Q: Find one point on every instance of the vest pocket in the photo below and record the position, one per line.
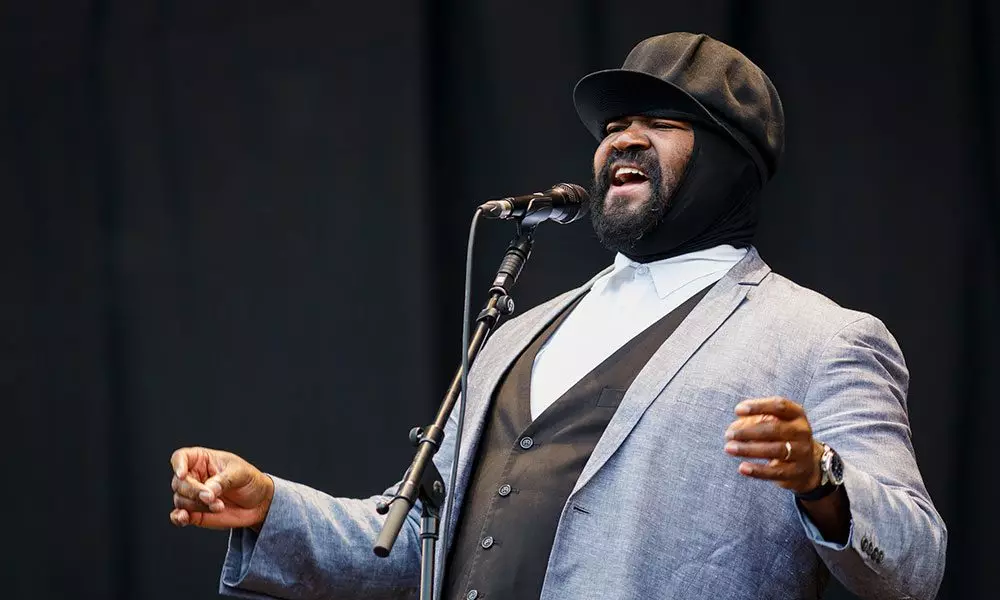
(610, 398)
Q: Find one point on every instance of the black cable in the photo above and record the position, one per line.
(460, 425)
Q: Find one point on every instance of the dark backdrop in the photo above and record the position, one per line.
(242, 224)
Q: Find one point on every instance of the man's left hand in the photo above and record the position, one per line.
(776, 429)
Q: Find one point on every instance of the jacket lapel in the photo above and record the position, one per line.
(704, 320)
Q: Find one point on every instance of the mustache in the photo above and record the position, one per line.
(644, 159)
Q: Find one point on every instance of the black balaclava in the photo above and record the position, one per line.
(716, 201)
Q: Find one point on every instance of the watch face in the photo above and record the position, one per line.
(836, 469)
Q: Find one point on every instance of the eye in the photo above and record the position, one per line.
(614, 127)
(664, 125)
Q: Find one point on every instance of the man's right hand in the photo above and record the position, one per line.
(218, 490)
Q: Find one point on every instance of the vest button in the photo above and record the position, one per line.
(504, 490)
(527, 442)
(487, 542)
(472, 595)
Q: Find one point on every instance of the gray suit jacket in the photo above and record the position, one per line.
(660, 510)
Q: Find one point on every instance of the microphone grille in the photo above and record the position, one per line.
(576, 202)
(573, 192)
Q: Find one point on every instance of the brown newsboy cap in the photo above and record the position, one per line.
(692, 74)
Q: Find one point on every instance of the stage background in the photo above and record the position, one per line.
(242, 224)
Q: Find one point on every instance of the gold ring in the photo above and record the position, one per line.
(788, 451)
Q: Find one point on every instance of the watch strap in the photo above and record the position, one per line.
(821, 491)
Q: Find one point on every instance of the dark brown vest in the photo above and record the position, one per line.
(525, 470)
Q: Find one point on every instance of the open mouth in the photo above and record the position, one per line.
(627, 174)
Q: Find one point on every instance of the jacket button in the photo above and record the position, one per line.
(487, 542)
(472, 595)
(527, 442)
(504, 490)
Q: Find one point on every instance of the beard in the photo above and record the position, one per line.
(620, 225)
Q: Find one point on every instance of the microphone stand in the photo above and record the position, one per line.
(422, 481)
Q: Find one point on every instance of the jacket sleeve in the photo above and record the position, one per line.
(856, 403)
(314, 546)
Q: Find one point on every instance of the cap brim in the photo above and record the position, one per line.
(606, 95)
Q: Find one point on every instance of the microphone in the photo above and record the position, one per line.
(562, 203)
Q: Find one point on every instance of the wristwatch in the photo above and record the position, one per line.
(831, 475)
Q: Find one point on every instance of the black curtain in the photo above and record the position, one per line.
(242, 224)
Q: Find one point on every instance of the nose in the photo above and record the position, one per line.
(632, 137)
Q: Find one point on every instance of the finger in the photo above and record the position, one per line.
(770, 450)
(231, 518)
(763, 431)
(232, 476)
(751, 420)
(783, 408)
(193, 506)
(193, 489)
(189, 504)
(175, 484)
(180, 517)
(774, 470)
(180, 460)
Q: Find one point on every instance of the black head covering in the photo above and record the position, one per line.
(717, 200)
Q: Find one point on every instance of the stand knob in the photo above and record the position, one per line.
(415, 434)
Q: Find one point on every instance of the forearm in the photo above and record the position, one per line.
(831, 515)
(312, 545)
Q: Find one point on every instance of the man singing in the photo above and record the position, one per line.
(688, 424)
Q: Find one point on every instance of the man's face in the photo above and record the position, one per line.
(637, 169)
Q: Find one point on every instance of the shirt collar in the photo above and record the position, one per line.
(670, 274)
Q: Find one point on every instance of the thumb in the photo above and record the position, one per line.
(234, 475)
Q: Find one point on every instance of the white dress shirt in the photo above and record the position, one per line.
(619, 306)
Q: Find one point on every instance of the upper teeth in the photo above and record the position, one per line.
(629, 171)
